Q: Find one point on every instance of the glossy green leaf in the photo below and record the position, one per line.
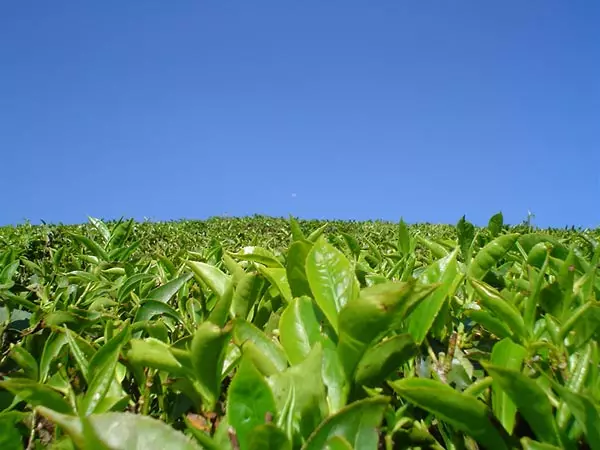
(246, 332)
(235, 269)
(309, 404)
(491, 300)
(278, 278)
(296, 268)
(509, 355)
(165, 292)
(214, 278)
(334, 377)
(490, 322)
(403, 238)
(152, 308)
(300, 329)
(532, 402)
(352, 244)
(490, 255)
(338, 443)
(92, 246)
(381, 360)
(445, 271)
(377, 310)
(208, 353)
(466, 234)
(268, 437)
(52, 348)
(495, 224)
(437, 250)
(462, 411)
(357, 423)
(249, 400)
(123, 431)
(316, 234)
(220, 312)
(36, 394)
(102, 371)
(297, 234)
(246, 295)
(331, 279)
(259, 255)
(156, 354)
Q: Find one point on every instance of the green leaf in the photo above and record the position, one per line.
(466, 234)
(244, 332)
(356, 423)
(316, 234)
(122, 431)
(297, 234)
(509, 355)
(529, 444)
(151, 308)
(374, 313)
(582, 324)
(586, 412)
(490, 255)
(220, 313)
(25, 360)
(462, 411)
(37, 394)
(246, 295)
(491, 323)
(531, 400)
(235, 269)
(278, 278)
(491, 299)
(334, 378)
(381, 360)
(268, 437)
(437, 250)
(331, 279)
(308, 405)
(102, 371)
(208, 353)
(403, 238)
(352, 244)
(259, 255)
(214, 278)
(249, 399)
(92, 246)
(296, 268)
(156, 354)
(338, 443)
(52, 348)
(300, 329)
(81, 350)
(164, 293)
(444, 270)
(495, 224)
(10, 436)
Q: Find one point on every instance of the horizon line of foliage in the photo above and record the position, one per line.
(200, 335)
(168, 238)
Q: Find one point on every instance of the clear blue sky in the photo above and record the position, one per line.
(322, 109)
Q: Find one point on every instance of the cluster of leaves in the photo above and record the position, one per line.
(347, 336)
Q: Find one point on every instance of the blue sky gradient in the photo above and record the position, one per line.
(322, 109)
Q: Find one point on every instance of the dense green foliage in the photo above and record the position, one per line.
(265, 333)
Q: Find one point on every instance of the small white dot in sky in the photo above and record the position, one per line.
(294, 195)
